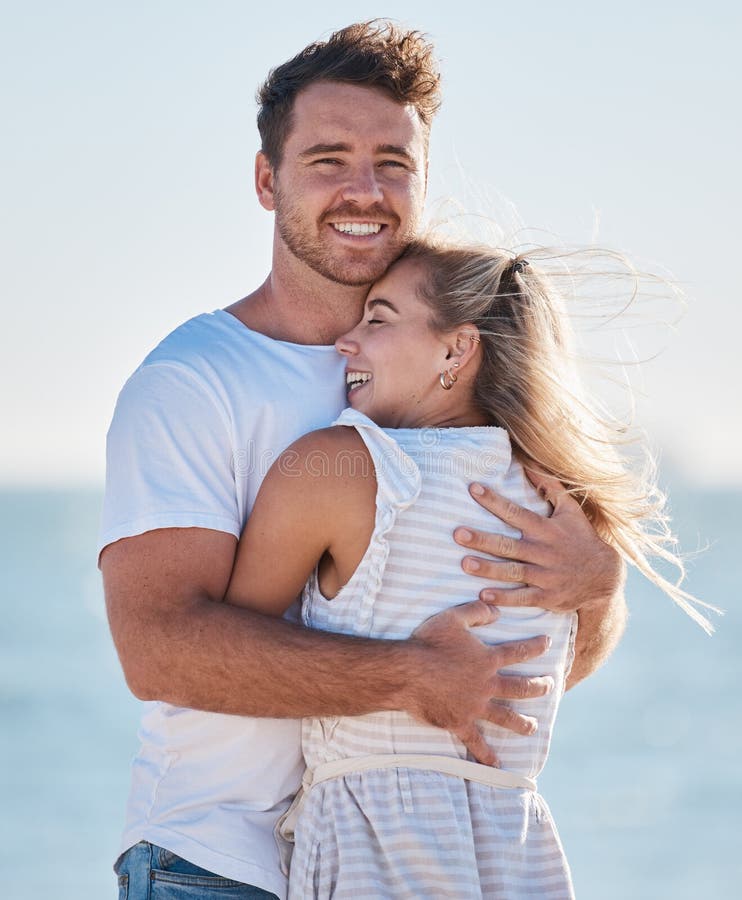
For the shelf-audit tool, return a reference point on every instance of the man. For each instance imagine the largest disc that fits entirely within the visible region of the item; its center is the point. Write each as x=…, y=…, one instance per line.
x=343, y=165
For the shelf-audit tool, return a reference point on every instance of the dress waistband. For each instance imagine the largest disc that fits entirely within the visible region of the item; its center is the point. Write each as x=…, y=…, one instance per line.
x=446, y=765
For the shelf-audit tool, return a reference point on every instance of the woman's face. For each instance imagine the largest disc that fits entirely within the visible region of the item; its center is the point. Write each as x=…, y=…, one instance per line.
x=394, y=358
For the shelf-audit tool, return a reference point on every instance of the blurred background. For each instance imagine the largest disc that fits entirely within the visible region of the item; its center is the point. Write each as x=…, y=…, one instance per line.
x=126, y=171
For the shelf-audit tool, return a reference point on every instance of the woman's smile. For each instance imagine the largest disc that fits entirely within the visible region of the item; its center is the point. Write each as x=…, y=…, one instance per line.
x=355, y=379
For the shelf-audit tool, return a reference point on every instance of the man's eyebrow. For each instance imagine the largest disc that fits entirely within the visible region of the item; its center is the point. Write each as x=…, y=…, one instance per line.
x=325, y=148
x=395, y=150
x=381, y=149
x=379, y=301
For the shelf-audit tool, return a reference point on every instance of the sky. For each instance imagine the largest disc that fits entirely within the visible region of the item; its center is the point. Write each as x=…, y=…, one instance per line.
x=126, y=186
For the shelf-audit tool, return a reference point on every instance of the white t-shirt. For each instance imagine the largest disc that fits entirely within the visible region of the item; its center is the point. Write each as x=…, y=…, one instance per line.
x=195, y=430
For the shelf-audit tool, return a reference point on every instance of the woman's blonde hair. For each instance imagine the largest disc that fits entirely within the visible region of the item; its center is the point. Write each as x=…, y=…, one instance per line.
x=527, y=383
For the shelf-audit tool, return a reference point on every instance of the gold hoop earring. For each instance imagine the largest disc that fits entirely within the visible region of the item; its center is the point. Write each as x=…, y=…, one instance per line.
x=447, y=385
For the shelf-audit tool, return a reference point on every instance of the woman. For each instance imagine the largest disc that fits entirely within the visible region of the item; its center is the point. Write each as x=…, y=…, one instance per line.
x=460, y=352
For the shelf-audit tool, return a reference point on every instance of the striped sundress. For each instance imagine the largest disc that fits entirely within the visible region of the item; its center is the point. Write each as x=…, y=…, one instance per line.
x=404, y=832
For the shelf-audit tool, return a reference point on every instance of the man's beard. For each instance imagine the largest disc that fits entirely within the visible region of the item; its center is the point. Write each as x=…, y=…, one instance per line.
x=352, y=269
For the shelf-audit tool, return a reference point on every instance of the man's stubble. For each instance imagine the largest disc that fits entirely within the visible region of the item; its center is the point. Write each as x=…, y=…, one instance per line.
x=302, y=236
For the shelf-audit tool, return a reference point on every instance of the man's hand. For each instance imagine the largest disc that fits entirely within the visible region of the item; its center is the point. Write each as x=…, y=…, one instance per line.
x=177, y=643
x=461, y=682
x=562, y=562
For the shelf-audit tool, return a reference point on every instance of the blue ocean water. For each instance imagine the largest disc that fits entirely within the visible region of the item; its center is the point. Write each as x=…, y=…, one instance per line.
x=644, y=778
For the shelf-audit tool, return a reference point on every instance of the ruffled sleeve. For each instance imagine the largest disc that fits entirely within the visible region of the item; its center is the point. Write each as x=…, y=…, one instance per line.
x=397, y=475
x=398, y=482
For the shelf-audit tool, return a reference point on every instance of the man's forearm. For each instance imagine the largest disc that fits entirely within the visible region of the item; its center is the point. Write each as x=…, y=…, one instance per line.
x=257, y=665
x=600, y=626
x=178, y=642
x=263, y=666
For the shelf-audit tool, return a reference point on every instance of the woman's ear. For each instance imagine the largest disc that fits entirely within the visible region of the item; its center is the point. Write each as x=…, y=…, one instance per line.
x=463, y=345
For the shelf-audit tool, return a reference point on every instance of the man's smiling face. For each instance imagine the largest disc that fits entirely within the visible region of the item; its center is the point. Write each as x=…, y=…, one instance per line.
x=349, y=191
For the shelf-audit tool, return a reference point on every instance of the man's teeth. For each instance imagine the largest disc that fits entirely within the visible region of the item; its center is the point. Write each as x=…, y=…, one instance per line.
x=356, y=379
x=357, y=227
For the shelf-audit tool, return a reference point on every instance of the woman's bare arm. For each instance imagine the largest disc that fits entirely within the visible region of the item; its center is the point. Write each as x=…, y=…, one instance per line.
x=311, y=502
x=305, y=501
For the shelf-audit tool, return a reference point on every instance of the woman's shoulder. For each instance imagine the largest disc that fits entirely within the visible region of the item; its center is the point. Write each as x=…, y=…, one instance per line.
x=336, y=453
x=333, y=439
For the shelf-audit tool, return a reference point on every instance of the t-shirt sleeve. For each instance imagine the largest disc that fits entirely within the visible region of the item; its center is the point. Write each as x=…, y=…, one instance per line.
x=169, y=458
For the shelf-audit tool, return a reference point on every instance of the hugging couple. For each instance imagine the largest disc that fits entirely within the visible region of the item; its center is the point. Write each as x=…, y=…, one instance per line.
x=451, y=520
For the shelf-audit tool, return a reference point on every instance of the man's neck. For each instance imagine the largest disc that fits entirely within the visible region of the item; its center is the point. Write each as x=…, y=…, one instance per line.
x=298, y=305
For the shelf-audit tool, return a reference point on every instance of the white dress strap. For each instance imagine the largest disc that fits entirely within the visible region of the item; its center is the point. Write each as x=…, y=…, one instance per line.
x=397, y=475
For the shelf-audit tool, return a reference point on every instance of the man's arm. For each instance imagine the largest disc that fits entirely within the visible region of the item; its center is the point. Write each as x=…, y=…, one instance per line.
x=601, y=625
x=179, y=643
x=563, y=564
x=170, y=459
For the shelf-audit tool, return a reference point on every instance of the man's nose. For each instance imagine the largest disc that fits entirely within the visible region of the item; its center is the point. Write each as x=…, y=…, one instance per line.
x=363, y=187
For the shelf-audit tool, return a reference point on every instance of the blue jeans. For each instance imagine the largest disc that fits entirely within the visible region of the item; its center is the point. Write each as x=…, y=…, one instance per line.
x=148, y=872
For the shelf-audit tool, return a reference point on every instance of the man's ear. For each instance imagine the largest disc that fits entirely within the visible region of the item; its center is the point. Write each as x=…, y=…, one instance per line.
x=463, y=344
x=264, y=179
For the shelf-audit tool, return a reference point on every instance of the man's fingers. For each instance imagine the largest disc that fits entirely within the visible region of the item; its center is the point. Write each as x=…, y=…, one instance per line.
x=473, y=739
x=503, y=545
x=521, y=596
x=511, y=652
x=474, y=613
x=524, y=520
x=511, y=570
x=505, y=717
x=522, y=687
x=550, y=488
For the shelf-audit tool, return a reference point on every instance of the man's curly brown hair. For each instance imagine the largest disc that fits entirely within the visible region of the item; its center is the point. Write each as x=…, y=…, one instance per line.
x=375, y=54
